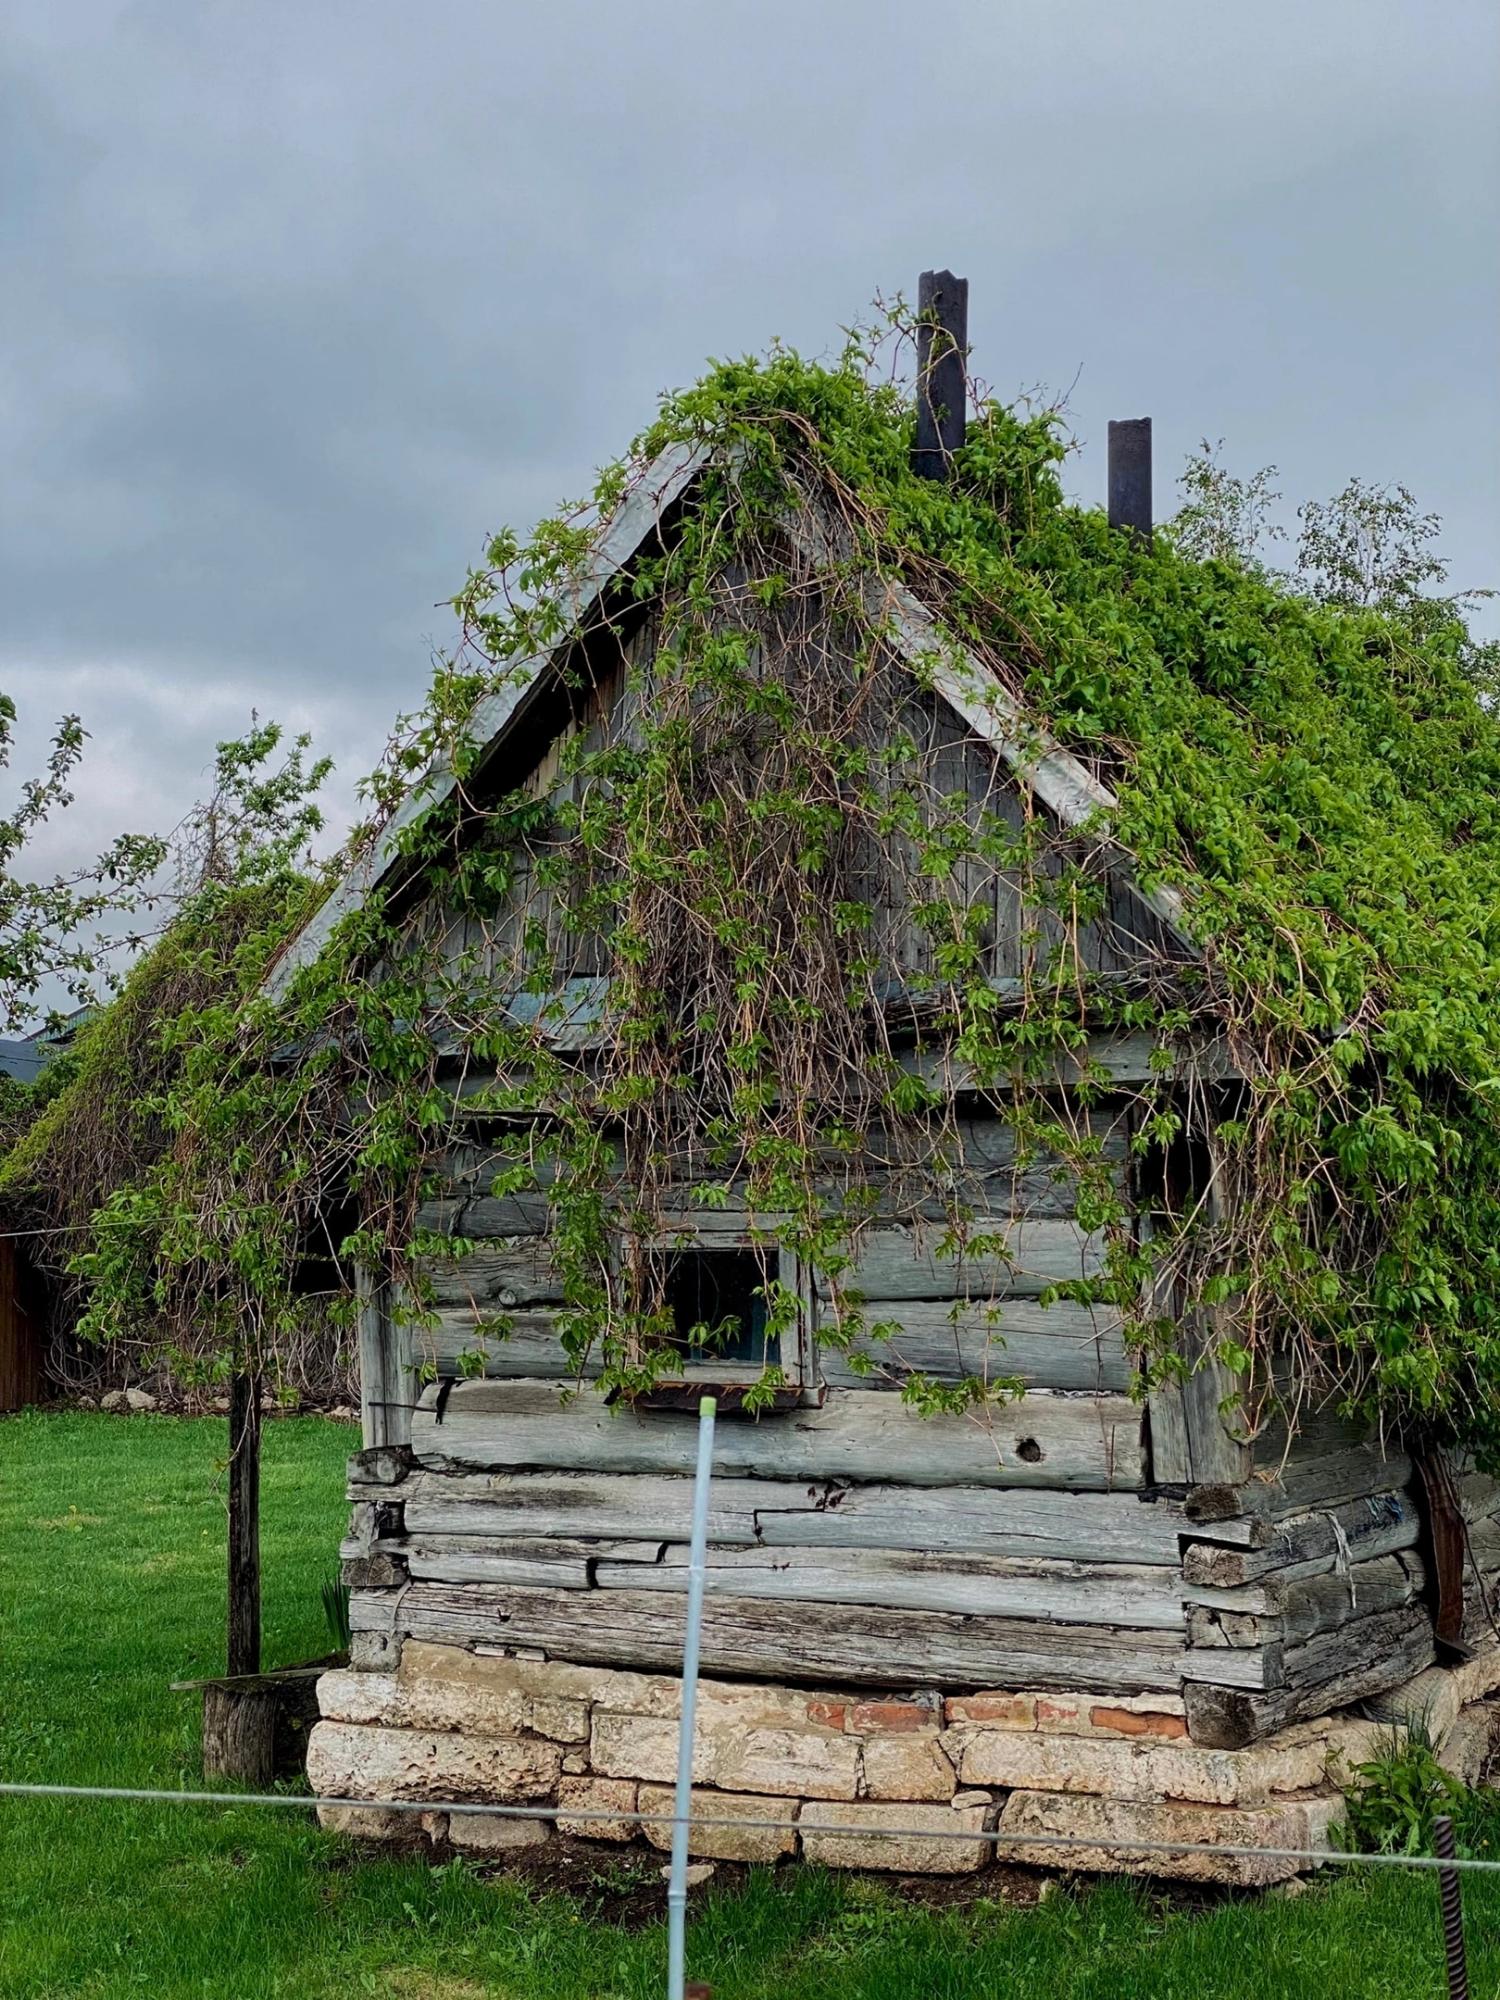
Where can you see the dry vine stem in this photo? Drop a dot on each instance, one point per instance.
(763, 920)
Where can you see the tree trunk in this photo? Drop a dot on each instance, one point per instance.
(239, 1733)
(244, 1523)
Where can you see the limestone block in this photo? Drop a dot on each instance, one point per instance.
(1304, 1758)
(423, 1701)
(641, 1746)
(1466, 1748)
(1102, 1822)
(367, 1761)
(531, 1677)
(372, 1823)
(732, 1748)
(496, 1833)
(1479, 1676)
(845, 1841)
(1430, 1700)
(598, 1795)
(564, 1719)
(793, 1763)
(724, 1843)
(908, 1767)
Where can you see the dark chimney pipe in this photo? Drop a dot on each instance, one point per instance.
(942, 386)
(1130, 476)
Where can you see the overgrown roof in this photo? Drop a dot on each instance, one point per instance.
(1318, 785)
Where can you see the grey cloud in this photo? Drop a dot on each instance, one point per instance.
(301, 301)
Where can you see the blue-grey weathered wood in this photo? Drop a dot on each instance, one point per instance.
(1086, 1444)
(634, 522)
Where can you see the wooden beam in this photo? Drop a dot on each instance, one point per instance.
(784, 1641)
(771, 1513)
(1090, 1444)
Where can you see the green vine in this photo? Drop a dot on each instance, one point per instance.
(731, 946)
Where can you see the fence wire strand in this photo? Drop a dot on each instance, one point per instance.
(1060, 1842)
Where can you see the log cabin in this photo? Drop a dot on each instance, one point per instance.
(989, 1567)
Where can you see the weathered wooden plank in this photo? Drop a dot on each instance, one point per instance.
(1227, 1718)
(1027, 1256)
(510, 1271)
(1087, 1444)
(1307, 1544)
(1078, 1593)
(634, 523)
(486, 1216)
(532, 1350)
(1020, 1521)
(1319, 1479)
(558, 1564)
(866, 1644)
(1061, 1346)
(386, 1375)
(1305, 1605)
(1254, 1666)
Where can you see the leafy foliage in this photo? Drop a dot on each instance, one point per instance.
(1398, 1793)
(671, 974)
(54, 928)
(103, 1118)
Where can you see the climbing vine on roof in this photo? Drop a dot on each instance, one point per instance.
(731, 948)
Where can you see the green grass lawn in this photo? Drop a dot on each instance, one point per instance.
(111, 1553)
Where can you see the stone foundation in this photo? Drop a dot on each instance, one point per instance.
(813, 1772)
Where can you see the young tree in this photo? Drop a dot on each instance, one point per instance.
(1369, 548)
(54, 928)
(234, 879)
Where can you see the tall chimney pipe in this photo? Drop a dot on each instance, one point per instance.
(1130, 476)
(942, 385)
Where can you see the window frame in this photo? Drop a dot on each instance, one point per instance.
(798, 1358)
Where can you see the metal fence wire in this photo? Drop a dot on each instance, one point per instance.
(1444, 1862)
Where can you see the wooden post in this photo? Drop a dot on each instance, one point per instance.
(244, 1522)
(942, 383)
(1130, 476)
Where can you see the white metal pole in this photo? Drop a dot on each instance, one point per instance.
(677, 1880)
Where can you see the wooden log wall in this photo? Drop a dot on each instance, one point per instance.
(851, 1538)
(1310, 1589)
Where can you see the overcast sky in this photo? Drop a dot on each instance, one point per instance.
(299, 302)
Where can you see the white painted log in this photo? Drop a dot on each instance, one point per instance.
(1081, 1443)
(1105, 1528)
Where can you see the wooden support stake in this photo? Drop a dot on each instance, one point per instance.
(244, 1523)
(942, 381)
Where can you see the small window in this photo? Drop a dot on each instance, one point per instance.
(717, 1300)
